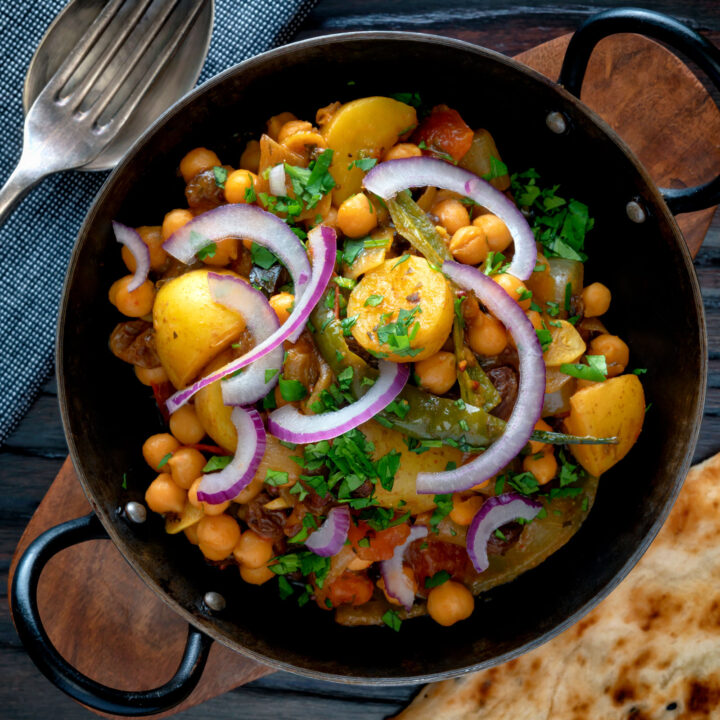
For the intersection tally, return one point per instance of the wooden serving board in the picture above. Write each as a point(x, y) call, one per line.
point(101, 616)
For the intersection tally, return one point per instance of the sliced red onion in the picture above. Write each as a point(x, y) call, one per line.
point(531, 391)
point(390, 177)
point(140, 251)
point(330, 537)
point(289, 424)
point(321, 242)
point(255, 382)
point(276, 180)
point(397, 584)
point(242, 221)
point(494, 513)
point(216, 488)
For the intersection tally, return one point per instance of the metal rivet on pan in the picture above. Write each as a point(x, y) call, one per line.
point(214, 601)
point(636, 212)
point(556, 122)
point(135, 512)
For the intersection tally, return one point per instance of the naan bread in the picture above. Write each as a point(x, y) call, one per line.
point(650, 651)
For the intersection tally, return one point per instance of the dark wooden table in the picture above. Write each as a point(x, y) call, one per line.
point(33, 454)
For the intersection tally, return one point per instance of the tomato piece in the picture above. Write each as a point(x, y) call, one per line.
point(382, 543)
point(429, 556)
point(444, 131)
point(350, 589)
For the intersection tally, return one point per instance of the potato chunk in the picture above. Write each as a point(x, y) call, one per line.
point(410, 285)
point(367, 127)
point(614, 408)
point(567, 345)
point(191, 329)
point(432, 460)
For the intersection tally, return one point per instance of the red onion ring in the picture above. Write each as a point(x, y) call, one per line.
point(242, 221)
point(140, 251)
point(396, 582)
point(531, 391)
point(494, 513)
point(216, 488)
point(289, 424)
point(330, 537)
point(250, 385)
point(392, 176)
point(276, 180)
point(321, 242)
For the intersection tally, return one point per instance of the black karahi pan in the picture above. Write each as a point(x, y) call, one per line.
point(636, 248)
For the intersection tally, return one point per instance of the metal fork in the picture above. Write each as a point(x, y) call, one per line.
point(73, 120)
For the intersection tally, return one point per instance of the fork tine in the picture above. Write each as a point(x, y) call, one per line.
point(81, 90)
point(78, 53)
point(153, 71)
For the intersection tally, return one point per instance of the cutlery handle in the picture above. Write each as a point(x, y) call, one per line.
point(24, 177)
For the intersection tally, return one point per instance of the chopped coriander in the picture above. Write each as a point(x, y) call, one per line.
point(291, 390)
point(387, 466)
point(553, 309)
point(384, 421)
point(284, 587)
point(463, 425)
point(498, 169)
point(375, 242)
point(440, 577)
point(269, 402)
point(364, 164)
point(250, 196)
point(124, 482)
point(544, 337)
point(351, 250)
point(347, 323)
point(373, 301)
point(364, 542)
point(639, 371)
point(457, 302)
point(221, 175)
point(398, 335)
point(540, 267)
point(585, 503)
point(164, 460)
point(450, 465)
point(217, 462)
point(276, 478)
point(262, 257)
point(525, 483)
point(408, 98)
point(343, 282)
point(596, 369)
point(392, 620)
point(399, 407)
point(500, 534)
point(403, 258)
point(206, 252)
point(444, 505)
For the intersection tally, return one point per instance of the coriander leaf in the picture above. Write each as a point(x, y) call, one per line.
point(386, 467)
point(164, 461)
point(444, 505)
point(595, 370)
point(217, 462)
point(284, 587)
point(497, 169)
point(545, 338)
point(262, 257)
point(124, 482)
point(291, 390)
point(392, 620)
point(373, 301)
point(439, 578)
point(221, 175)
point(276, 478)
point(408, 98)
point(206, 252)
point(364, 164)
point(351, 250)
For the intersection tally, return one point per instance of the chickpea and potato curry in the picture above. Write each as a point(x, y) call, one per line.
point(388, 304)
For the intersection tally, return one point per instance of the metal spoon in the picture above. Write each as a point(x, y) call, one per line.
point(102, 73)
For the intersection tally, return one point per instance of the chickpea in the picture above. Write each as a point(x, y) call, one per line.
point(331, 218)
point(112, 292)
point(496, 231)
point(151, 376)
point(282, 304)
point(157, 447)
point(137, 303)
point(544, 468)
point(291, 127)
point(197, 161)
point(225, 251)
point(465, 508)
point(450, 602)
point(206, 507)
point(276, 122)
point(451, 214)
point(191, 533)
point(486, 335)
point(616, 352)
point(303, 141)
point(253, 551)
point(535, 319)
point(186, 466)
point(596, 299)
point(152, 236)
point(356, 216)
point(185, 426)
point(237, 184)
point(469, 245)
point(217, 536)
point(250, 158)
point(174, 220)
point(256, 576)
point(409, 574)
point(402, 150)
point(437, 373)
point(536, 446)
point(515, 288)
point(164, 496)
